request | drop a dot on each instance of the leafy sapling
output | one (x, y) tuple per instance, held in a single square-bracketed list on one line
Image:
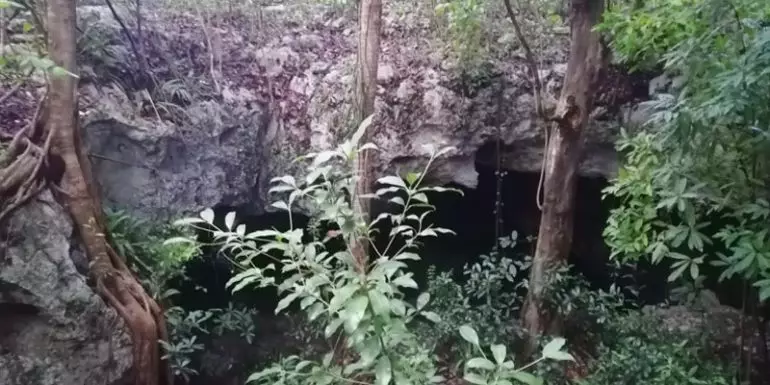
[(497, 369), (364, 310)]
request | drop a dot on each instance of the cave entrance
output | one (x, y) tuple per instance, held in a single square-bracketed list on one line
[(472, 217), (206, 277)]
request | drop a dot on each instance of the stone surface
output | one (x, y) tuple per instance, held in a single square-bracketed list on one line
[(162, 171), (53, 329), (719, 324), (296, 78)]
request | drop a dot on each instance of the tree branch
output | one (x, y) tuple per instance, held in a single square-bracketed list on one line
[(531, 62), (134, 47)]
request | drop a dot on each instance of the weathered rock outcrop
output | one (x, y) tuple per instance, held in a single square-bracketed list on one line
[(296, 72), (719, 326), (53, 329)]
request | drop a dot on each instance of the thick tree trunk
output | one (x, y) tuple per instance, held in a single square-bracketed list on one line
[(113, 279), (370, 20), (586, 66)]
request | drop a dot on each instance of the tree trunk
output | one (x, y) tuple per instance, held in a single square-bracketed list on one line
[(586, 66), (114, 281), (370, 20)]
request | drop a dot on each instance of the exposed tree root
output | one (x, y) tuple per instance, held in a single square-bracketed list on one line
[(24, 173)]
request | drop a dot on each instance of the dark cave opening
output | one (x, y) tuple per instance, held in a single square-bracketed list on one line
[(206, 277), (470, 215)]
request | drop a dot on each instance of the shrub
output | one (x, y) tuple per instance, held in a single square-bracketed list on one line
[(364, 308), (637, 351)]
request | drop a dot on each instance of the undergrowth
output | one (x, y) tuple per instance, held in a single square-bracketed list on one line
[(363, 307)]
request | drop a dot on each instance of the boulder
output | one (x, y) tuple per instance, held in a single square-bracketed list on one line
[(165, 170), (53, 328)]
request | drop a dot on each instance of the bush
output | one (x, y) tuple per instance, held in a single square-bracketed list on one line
[(491, 293), (637, 351), (362, 304)]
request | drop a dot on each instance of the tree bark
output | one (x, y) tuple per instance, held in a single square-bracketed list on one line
[(370, 20), (114, 281), (586, 66)]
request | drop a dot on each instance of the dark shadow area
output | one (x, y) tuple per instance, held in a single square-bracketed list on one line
[(472, 217), (208, 275)]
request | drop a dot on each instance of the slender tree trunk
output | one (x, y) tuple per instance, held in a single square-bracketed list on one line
[(370, 20), (114, 281), (586, 66)]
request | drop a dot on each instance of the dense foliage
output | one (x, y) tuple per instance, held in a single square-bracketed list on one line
[(694, 186), (696, 181), (363, 308)]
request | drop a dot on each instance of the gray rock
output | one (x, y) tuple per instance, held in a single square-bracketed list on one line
[(303, 87), (53, 329), (720, 325), (168, 171)]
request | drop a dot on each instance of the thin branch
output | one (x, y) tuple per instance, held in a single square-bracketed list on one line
[(134, 47), (15, 88), (212, 67), (10, 92), (531, 62), (538, 96)]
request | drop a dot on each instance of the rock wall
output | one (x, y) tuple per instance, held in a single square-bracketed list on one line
[(53, 329), (284, 89)]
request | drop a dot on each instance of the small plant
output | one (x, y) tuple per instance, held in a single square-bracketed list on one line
[(190, 331), (491, 293), (637, 351), (465, 26), (158, 253), (363, 306), (481, 370), (234, 320), (489, 297), (185, 329)]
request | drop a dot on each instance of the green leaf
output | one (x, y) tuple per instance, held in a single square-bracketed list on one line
[(407, 256), (398, 307), (383, 372), (307, 301), (480, 363), (527, 378), (332, 327), (379, 301), (475, 379), (422, 300), (412, 177), (315, 310), (393, 181), (177, 240), (355, 311), (677, 272), (552, 350), (341, 296), (230, 220), (498, 351), (405, 281), (372, 349), (208, 216), (431, 316), (469, 334), (285, 302), (281, 205)]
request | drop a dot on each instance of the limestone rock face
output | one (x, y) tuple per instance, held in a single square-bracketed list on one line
[(162, 171), (53, 328), (292, 80)]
